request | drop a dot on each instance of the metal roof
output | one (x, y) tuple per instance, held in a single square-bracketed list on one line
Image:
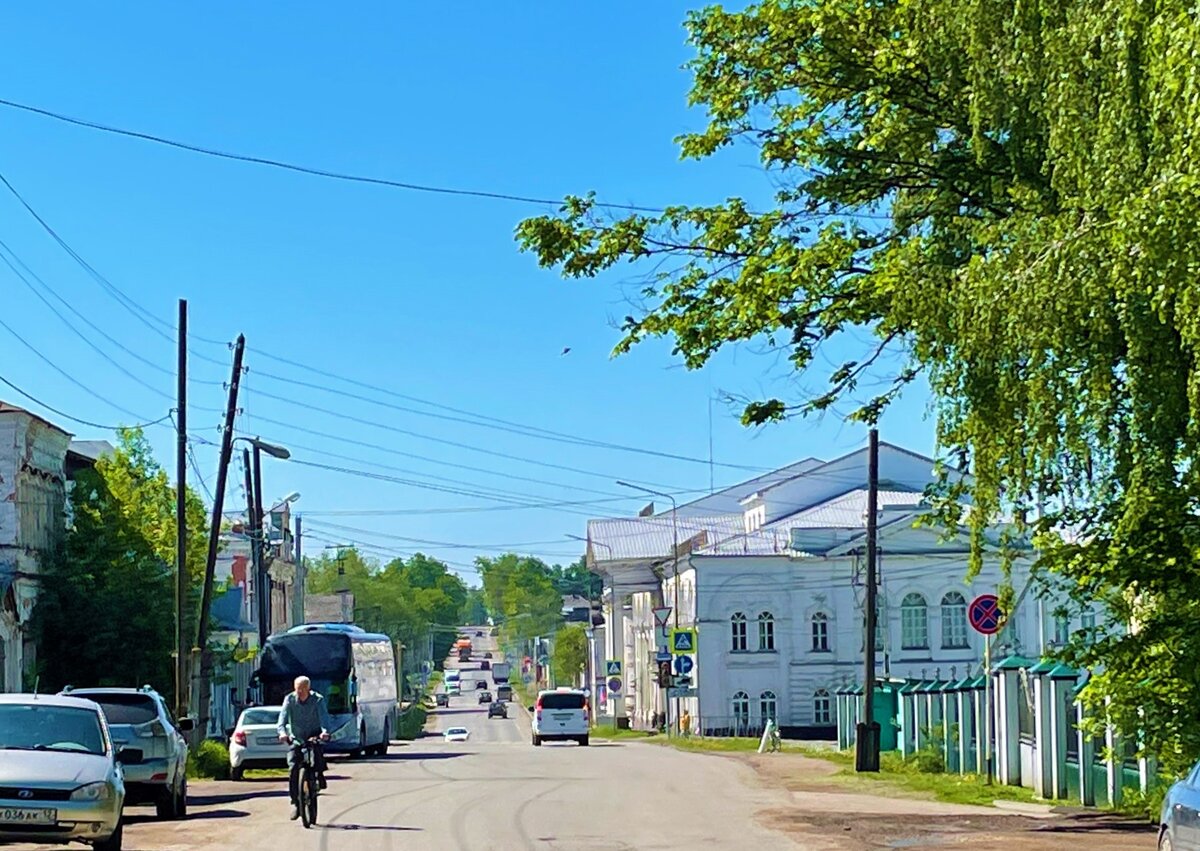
[(646, 538), (849, 510)]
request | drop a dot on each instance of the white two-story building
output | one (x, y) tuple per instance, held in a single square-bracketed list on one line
[(771, 573)]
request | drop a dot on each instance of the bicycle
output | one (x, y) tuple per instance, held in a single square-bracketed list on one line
[(308, 787)]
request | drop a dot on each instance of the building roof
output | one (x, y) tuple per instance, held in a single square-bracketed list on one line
[(646, 538), (849, 511), (9, 408), (92, 450), (728, 500)]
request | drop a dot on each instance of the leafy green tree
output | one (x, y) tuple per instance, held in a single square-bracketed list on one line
[(520, 592), (570, 654), (575, 579), (1004, 196), (106, 611)]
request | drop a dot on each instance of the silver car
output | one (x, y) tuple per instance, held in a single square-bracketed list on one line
[(60, 778), (139, 718), (1179, 823)]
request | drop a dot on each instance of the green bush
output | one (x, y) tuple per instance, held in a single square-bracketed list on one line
[(411, 722), (209, 761)]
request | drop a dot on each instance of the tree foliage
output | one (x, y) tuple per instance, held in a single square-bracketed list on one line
[(1004, 193), (570, 654), (106, 611), (415, 601), (520, 592)]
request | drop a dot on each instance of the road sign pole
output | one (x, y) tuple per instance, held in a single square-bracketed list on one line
[(987, 704)]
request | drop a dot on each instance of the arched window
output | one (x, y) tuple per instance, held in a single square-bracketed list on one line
[(741, 708), (822, 714), (820, 632), (954, 621), (914, 623), (766, 631), (767, 705), (1062, 630), (737, 625)]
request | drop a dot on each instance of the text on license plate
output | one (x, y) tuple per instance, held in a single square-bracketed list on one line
[(24, 815), (562, 716), (268, 740)]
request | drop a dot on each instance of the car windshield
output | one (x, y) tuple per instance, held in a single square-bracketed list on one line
[(456, 731), (50, 728), (126, 708), (256, 717)]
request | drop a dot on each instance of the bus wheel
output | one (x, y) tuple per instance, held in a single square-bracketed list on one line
[(382, 748), (362, 742)]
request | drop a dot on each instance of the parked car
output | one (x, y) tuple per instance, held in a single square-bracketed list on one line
[(560, 714), (442, 699), (485, 697), (456, 734), (62, 777), (1180, 816), (497, 710), (139, 717), (255, 741)]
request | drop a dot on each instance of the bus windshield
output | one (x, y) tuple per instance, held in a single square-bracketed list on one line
[(322, 657)]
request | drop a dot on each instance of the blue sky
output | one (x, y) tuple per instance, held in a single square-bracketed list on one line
[(424, 295)]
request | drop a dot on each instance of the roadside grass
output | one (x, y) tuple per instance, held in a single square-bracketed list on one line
[(611, 732), (904, 777)]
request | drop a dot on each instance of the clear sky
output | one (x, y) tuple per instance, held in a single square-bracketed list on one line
[(423, 295)]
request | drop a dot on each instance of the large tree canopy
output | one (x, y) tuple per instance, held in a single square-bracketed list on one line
[(1005, 193)]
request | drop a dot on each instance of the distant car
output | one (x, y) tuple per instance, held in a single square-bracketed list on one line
[(139, 718), (485, 697), (480, 684), (255, 742), (62, 774), (442, 698), (497, 710), (504, 692), (487, 655), (485, 665), (456, 734), (479, 633)]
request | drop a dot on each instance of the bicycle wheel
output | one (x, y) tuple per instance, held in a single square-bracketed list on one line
[(313, 792), (308, 807)]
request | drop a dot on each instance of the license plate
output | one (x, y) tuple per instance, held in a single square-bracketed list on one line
[(268, 740), (23, 815)]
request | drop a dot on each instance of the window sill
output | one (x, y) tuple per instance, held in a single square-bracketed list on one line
[(956, 647), (924, 647)]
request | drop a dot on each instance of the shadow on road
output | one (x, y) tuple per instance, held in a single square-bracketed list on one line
[(202, 816), (382, 827), (410, 756), (1084, 823), (210, 800)]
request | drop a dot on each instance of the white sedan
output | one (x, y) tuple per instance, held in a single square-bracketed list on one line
[(456, 734), (255, 742)]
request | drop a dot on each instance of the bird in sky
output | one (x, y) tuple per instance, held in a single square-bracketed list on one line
[(567, 349)]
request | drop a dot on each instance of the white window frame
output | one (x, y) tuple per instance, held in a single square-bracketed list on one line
[(738, 631), (822, 708), (766, 632), (955, 635), (914, 622), (820, 636)]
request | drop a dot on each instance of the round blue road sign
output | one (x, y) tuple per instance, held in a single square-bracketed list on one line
[(614, 684), (985, 614), (683, 664)]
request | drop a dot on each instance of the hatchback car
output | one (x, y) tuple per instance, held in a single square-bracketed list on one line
[(255, 742), (456, 734), (485, 697), (497, 710), (139, 718), (61, 779)]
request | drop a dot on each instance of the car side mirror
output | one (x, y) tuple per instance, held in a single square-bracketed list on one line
[(129, 756), (186, 725)]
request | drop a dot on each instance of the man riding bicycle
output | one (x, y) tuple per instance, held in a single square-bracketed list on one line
[(303, 717)]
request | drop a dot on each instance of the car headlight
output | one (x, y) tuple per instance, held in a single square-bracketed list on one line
[(93, 792)]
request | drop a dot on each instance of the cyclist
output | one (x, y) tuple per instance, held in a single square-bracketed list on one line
[(303, 716)]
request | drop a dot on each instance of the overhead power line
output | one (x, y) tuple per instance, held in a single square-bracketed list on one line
[(74, 418), (303, 169)]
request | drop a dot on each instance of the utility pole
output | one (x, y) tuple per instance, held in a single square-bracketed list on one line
[(262, 578), (866, 756), (204, 699), (252, 532), (301, 580), (181, 568)]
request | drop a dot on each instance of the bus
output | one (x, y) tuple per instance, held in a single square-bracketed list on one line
[(353, 669)]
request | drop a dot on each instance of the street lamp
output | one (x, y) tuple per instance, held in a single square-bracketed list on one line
[(674, 559), (254, 505)]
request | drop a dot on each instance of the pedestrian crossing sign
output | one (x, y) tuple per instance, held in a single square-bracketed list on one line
[(613, 668), (683, 642)]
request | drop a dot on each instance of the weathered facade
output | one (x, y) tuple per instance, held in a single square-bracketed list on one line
[(32, 502)]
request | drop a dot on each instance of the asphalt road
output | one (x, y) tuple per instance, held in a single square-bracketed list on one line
[(495, 791)]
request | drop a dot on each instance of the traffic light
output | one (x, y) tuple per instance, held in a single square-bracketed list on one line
[(664, 674)]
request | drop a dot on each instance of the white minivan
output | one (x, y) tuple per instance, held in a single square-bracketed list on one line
[(560, 715)]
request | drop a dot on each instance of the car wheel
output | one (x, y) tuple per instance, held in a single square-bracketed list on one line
[(164, 805), (537, 740), (1164, 841), (113, 843), (237, 774), (181, 807), (583, 741)]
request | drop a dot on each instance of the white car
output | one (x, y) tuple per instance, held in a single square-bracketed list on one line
[(561, 715), (255, 742), (456, 734)]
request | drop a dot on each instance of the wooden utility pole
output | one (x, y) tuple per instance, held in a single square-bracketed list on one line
[(204, 698), (866, 757), (253, 512), (262, 580), (181, 568)]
